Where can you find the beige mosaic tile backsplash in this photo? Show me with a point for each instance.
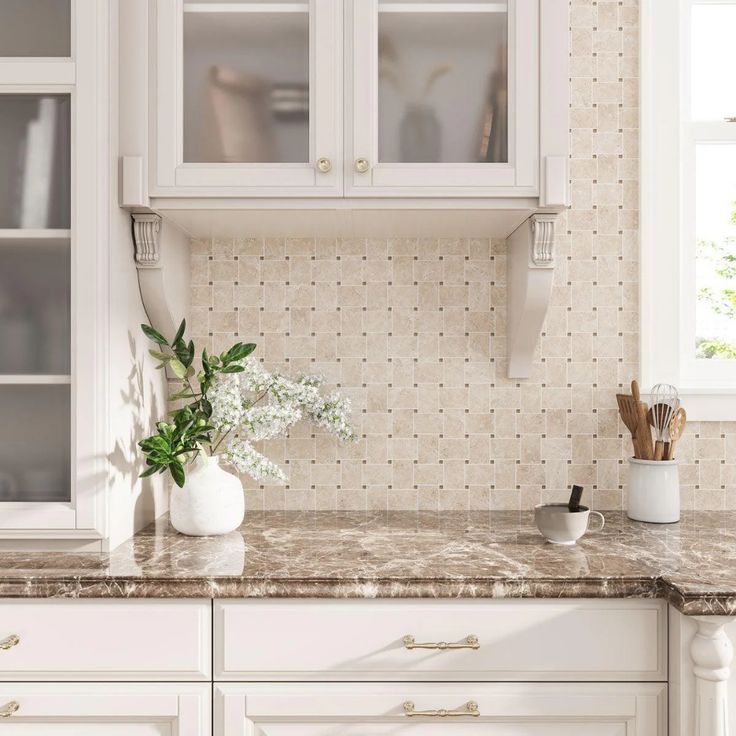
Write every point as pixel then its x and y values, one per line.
pixel 414 332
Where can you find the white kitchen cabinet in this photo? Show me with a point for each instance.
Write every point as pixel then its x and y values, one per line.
pixel 443 98
pixel 470 640
pixel 467 709
pixel 55 709
pixel 248 97
pixel 53 129
pixel 106 640
pixel 439 99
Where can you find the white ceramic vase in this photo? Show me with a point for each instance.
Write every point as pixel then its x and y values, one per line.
pixel 654 491
pixel 210 503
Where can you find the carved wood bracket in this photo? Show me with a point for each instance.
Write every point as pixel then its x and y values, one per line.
pixel 530 271
pixel 149 262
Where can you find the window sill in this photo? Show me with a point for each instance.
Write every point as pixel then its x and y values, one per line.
pixel 709 404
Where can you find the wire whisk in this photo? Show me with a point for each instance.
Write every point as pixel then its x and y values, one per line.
pixel 665 403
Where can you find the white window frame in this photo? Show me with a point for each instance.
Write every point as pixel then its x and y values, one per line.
pixel 667 221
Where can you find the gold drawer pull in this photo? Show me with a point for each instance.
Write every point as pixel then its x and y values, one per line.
pixel 10 641
pixel 469 709
pixel 8 709
pixel 469 642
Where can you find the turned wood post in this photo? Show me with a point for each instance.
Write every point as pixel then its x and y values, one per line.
pixel 712 653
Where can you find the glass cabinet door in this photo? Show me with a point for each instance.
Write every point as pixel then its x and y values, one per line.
pixel 251 88
pixel 35 28
pixel 445 96
pixel 35 293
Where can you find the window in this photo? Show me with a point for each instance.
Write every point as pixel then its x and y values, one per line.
pixel 688 201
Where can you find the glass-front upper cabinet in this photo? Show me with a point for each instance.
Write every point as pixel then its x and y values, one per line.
pixel 50 214
pixel 248 95
pixel 445 97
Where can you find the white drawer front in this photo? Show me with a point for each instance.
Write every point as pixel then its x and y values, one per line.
pixel 522 709
pixel 96 709
pixel 106 639
pixel 364 640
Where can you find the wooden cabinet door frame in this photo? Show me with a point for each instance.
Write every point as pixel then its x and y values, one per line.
pixel 172 177
pixel 519 177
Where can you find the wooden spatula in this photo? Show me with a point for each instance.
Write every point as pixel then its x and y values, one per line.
pixel 630 415
pixel 643 433
pixel 677 427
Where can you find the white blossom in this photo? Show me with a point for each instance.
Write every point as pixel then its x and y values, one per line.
pixel 227 402
pixel 246 459
pixel 303 391
pixel 254 377
pixel 334 416
pixel 236 398
pixel 271 420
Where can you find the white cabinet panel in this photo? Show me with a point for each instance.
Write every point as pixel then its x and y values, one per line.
pixel 51 709
pixel 517 640
pixel 523 709
pixel 445 98
pixel 106 640
pixel 248 98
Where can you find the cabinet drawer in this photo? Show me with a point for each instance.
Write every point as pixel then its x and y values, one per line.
pixel 97 709
pixel 516 640
pixel 521 709
pixel 105 640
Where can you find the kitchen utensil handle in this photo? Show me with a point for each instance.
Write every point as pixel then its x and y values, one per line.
pixel 670 455
pixel 644 434
pixel 601 517
pixel 635 390
pixel 659 450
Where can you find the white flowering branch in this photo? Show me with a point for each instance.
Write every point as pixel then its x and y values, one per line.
pixel 234 395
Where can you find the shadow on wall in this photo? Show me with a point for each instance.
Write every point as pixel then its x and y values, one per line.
pixel 126 460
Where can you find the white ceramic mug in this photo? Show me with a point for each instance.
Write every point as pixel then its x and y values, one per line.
pixel 559 525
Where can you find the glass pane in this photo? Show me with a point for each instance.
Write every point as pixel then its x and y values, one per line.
pixel 246 85
pixel 443 83
pixel 35 424
pixel 35 333
pixel 35 161
pixel 715 228
pixel 35 28
pixel 713 91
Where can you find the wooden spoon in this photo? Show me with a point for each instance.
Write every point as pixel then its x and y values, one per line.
pixel 644 434
pixel 630 416
pixel 677 427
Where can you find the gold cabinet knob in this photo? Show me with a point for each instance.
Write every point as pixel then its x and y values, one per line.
pixel 362 165
pixel 324 165
pixel 10 641
pixel 8 709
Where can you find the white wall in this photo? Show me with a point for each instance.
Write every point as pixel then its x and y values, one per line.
pixel 137 391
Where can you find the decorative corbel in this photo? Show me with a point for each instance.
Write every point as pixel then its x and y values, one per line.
pixel 530 271
pixel 146 231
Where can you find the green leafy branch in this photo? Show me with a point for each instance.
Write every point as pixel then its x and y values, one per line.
pixel 190 431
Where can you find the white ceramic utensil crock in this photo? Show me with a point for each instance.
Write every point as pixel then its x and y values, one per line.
pixel 654 491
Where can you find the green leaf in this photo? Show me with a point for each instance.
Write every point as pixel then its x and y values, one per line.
pixel 163 357
pixel 153 469
pixel 180 331
pixel 177 473
pixel 178 368
pixel 154 335
pixel 233 369
pixel 238 352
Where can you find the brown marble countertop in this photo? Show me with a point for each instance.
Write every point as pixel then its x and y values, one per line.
pixel 403 555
